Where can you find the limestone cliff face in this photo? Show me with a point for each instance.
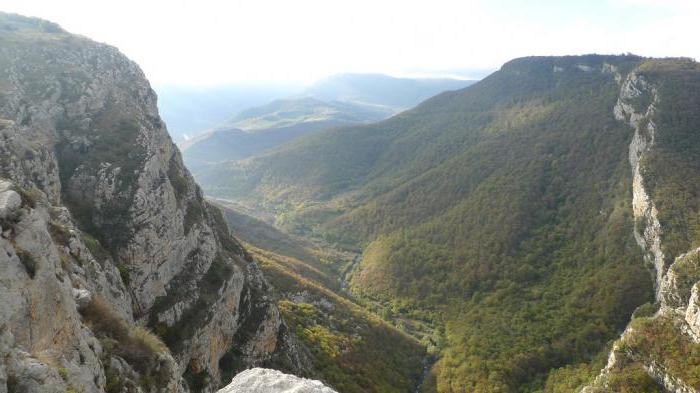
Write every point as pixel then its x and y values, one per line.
pixel 110 223
pixel 677 279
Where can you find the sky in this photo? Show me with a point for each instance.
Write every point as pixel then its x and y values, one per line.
pixel 208 42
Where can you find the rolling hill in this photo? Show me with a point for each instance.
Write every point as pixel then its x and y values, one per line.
pixel 340 100
pixel 188 110
pixel 261 128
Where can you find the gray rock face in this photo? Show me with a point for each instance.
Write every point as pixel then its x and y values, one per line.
pixel 261 380
pixel 109 215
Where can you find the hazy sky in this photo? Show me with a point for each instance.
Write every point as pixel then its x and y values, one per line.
pixel 207 42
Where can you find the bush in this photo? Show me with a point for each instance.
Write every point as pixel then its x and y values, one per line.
pixel 63 372
pixel 28 261
pixel 177 181
pixel 145 338
pixel 104 321
pixel 95 247
pixel 124 273
pixel 59 233
pixel 138 346
pixel 645 310
pixel 194 215
pixel 29 197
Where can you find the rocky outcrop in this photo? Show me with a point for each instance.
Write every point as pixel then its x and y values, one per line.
pixel 101 222
pixel 647 230
pixel 261 380
pixel 692 313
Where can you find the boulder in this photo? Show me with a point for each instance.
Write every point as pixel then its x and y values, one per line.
pixel 10 203
pixel 262 380
pixel 82 297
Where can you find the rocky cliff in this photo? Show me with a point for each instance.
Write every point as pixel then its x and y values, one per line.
pixel 663 339
pixel 115 274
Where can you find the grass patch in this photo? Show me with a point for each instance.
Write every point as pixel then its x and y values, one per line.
pixel 138 346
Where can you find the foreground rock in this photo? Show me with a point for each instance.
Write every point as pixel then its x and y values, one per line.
pixel 262 380
pixel 115 274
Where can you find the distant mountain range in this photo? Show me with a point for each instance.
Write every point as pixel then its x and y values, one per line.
pixel 383 90
pixel 271 125
pixel 336 101
pixel 189 111
pixel 291 112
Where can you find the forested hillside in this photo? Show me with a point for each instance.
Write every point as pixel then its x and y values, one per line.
pixel 504 209
pixel 351 349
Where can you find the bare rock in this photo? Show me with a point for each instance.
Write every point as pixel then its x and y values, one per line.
pixel 82 297
pixel 262 380
pixel 10 203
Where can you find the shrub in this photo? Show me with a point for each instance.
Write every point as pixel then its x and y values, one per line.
pixel 193 215
pixel 124 273
pixel 65 262
pixel 28 261
pixel 645 310
pixel 138 346
pixel 632 379
pixel 104 321
pixel 178 181
pixel 197 381
pixel 29 197
pixel 147 339
pixel 94 245
pixel 63 372
pixel 59 233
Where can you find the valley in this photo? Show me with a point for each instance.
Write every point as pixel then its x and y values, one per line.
pixel 467 219
pixel 535 231
pixel 338 328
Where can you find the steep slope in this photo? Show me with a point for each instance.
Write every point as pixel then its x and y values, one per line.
pixel 105 234
pixel 504 209
pixel 262 128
